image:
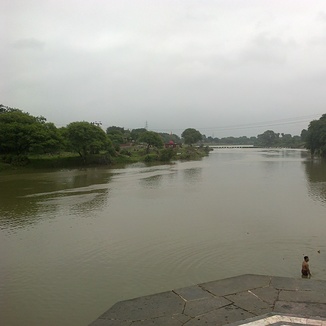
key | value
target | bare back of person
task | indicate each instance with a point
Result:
(305, 270)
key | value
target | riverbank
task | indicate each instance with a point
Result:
(125, 156)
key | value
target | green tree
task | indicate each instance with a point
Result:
(286, 140)
(168, 137)
(268, 139)
(316, 137)
(229, 141)
(86, 138)
(191, 136)
(304, 134)
(22, 133)
(136, 133)
(115, 128)
(116, 137)
(47, 139)
(151, 138)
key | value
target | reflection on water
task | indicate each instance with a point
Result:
(316, 177)
(151, 182)
(192, 175)
(76, 202)
(28, 198)
(75, 242)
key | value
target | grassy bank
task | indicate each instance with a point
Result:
(5, 166)
(123, 157)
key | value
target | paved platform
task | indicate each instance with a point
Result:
(242, 300)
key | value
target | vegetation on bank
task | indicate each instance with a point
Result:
(126, 156)
(315, 137)
(26, 140)
(269, 138)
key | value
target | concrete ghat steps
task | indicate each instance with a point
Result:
(242, 300)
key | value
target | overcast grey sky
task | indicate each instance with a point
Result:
(224, 67)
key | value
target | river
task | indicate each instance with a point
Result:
(74, 242)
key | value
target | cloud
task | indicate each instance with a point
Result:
(29, 44)
(174, 63)
(322, 16)
(267, 49)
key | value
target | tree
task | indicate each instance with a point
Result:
(115, 128)
(229, 140)
(22, 133)
(151, 138)
(47, 139)
(136, 133)
(168, 137)
(116, 136)
(86, 138)
(304, 134)
(286, 140)
(316, 137)
(268, 139)
(191, 136)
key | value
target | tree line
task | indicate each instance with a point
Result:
(313, 138)
(269, 138)
(22, 134)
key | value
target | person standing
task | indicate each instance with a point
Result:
(305, 270)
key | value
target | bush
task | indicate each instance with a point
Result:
(207, 149)
(111, 152)
(151, 158)
(166, 154)
(191, 153)
(125, 152)
(15, 160)
(4, 166)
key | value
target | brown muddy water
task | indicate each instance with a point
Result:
(74, 242)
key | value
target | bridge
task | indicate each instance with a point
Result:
(232, 146)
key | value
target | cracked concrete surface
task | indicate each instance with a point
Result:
(245, 299)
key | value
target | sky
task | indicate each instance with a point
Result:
(223, 67)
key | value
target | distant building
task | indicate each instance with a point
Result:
(170, 144)
(126, 145)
